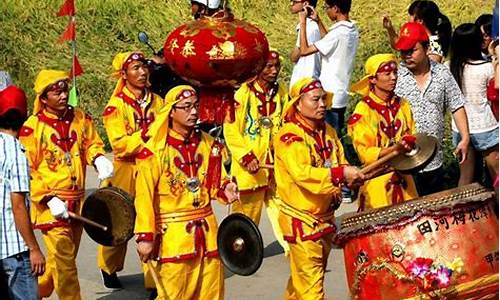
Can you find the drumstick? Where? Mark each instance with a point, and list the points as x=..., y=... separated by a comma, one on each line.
x=156, y=278
x=379, y=162
x=266, y=166
x=88, y=221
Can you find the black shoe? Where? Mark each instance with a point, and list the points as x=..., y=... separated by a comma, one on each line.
x=153, y=295
x=111, y=281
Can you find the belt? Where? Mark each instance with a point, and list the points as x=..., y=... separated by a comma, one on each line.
x=69, y=195
x=310, y=219
x=184, y=216
x=130, y=158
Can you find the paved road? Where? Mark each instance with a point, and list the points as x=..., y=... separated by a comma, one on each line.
x=267, y=283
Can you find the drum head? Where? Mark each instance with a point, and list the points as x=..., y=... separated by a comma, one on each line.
x=111, y=207
x=240, y=244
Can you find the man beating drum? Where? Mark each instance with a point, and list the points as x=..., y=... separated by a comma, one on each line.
x=382, y=123
x=179, y=171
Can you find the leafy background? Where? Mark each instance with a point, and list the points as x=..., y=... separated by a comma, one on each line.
x=30, y=29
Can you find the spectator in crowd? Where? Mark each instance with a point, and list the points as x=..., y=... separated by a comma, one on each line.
x=437, y=26
x=492, y=89
x=309, y=65
x=337, y=48
x=483, y=22
x=472, y=73
x=20, y=257
x=431, y=90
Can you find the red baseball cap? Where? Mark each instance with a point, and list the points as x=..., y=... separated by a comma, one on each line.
x=13, y=97
x=410, y=34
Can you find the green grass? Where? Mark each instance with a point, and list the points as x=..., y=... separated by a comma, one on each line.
x=30, y=29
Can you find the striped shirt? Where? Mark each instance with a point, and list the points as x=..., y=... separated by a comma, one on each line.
x=14, y=177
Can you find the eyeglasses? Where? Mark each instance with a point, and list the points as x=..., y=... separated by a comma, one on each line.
x=293, y=2
x=188, y=107
x=326, y=7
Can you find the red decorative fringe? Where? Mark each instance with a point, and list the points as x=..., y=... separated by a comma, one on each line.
x=217, y=105
x=212, y=179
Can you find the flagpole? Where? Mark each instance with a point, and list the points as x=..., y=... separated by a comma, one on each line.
x=73, y=50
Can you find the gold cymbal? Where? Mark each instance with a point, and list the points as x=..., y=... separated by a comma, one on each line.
x=425, y=149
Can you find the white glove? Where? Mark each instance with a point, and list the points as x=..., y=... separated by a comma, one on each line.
x=104, y=167
x=58, y=208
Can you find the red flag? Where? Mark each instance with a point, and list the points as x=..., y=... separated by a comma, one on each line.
x=69, y=33
x=76, y=68
x=67, y=9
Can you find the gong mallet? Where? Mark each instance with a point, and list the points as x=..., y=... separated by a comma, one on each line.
x=156, y=278
x=72, y=215
x=373, y=170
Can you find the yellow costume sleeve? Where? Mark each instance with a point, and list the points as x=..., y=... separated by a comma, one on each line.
x=123, y=144
x=233, y=132
x=92, y=142
x=362, y=134
x=38, y=188
x=296, y=162
x=148, y=174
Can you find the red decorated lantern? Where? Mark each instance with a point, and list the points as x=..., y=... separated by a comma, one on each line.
x=216, y=54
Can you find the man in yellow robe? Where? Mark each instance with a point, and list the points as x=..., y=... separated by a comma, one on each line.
x=127, y=117
x=180, y=170
x=250, y=140
x=60, y=141
x=310, y=169
x=380, y=124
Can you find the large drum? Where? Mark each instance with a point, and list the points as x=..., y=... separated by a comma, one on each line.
x=441, y=246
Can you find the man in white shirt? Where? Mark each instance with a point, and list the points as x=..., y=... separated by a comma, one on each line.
x=337, y=48
x=310, y=65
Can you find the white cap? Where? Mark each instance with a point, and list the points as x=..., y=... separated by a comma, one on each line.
x=212, y=4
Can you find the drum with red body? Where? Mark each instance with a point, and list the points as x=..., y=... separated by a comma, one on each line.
x=441, y=246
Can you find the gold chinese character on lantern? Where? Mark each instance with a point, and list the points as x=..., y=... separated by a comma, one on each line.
x=188, y=49
x=173, y=45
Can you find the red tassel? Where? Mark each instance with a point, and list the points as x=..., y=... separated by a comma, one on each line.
x=67, y=9
x=69, y=34
x=76, y=69
x=214, y=167
x=217, y=105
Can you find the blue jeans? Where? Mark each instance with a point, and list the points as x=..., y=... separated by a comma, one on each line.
x=18, y=283
x=335, y=117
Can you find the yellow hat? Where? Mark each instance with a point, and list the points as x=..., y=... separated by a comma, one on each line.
x=159, y=129
x=299, y=88
x=273, y=54
x=372, y=65
x=120, y=62
x=44, y=79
